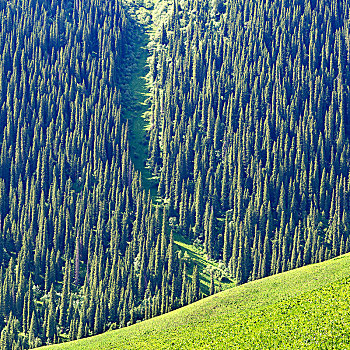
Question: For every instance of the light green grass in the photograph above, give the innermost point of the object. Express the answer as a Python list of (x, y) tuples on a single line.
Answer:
[(138, 111), (147, 15), (306, 308), (196, 256)]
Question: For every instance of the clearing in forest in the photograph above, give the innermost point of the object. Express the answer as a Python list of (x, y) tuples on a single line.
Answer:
[(147, 17)]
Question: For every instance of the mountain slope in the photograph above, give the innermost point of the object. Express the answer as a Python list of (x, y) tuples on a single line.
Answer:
[(251, 130), (295, 309), (247, 120)]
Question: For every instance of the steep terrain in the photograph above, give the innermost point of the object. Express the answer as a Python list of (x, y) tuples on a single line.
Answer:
[(305, 308), (148, 17), (250, 131), (156, 151)]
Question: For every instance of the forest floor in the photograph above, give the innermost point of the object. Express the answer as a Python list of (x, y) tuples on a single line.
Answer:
[(305, 308), (138, 109), (147, 19)]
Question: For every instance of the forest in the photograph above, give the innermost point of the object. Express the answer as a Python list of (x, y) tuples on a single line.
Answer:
[(248, 146)]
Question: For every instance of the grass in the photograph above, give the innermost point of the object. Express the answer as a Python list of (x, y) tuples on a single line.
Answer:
[(306, 308), (197, 256), (138, 111), (147, 16)]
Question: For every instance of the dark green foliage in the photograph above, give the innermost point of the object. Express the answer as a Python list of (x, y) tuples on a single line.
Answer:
[(256, 108), (249, 135), (82, 248)]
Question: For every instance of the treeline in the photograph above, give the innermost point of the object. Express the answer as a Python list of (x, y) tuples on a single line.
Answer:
[(82, 248), (250, 127)]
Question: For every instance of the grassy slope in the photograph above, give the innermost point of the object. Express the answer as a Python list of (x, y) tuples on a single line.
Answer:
[(298, 309), (138, 110), (147, 16), (198, 257)]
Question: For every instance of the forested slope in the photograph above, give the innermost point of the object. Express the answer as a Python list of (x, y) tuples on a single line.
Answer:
[(82, 248), (248, 141), (250, 130)]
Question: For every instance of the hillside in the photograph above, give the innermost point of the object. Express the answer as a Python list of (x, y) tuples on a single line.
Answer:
[(306, 308), (153, 152)]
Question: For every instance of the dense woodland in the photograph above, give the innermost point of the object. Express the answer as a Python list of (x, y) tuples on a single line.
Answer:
[(250, 130), (81, 247), (249, 142)]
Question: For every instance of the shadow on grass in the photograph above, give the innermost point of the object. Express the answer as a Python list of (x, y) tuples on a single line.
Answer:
[(196, 257), (137, 107)]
